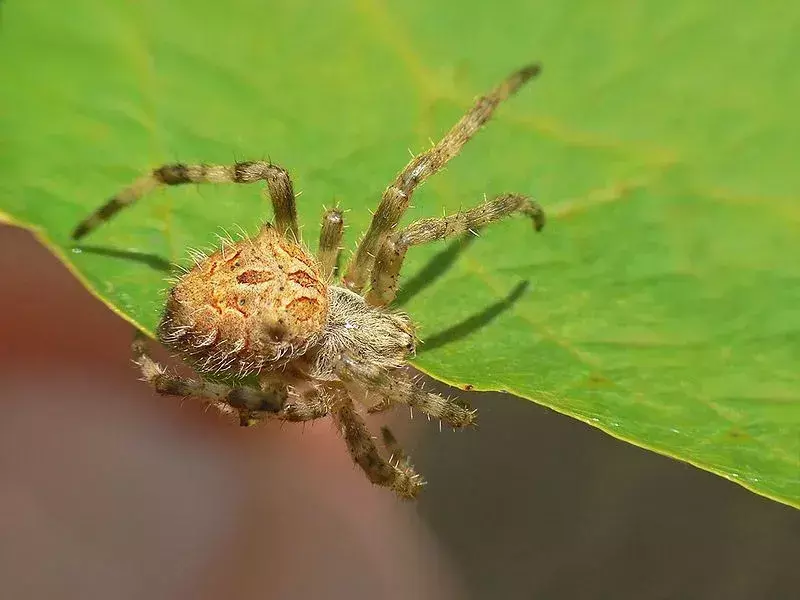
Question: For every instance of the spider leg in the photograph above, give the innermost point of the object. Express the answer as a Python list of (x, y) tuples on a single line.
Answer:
[(299, 407), (278, 183), (395, 451), (397, 196), (330, 240), (245, 400), (398, 476), (390, 257), (397, 388)]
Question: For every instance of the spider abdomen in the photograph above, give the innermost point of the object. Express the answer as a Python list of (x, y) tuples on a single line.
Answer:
[(250, 303)]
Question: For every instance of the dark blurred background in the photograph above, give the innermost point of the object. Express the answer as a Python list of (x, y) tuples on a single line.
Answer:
[(107, 491)]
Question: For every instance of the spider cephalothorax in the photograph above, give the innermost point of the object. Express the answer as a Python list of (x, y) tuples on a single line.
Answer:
[(274, 338)]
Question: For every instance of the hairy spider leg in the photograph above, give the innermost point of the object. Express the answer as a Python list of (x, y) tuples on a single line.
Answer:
[(252, 404), (397, 196), (223, 397), (398, 388), (330, 242), (389, 261), (399, 476), (393, 447), (278, 182)]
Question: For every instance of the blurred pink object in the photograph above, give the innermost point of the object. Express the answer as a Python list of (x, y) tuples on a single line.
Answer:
[(107, 491)]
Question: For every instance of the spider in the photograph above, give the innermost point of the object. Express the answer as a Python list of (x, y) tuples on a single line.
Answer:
[(271, 332)]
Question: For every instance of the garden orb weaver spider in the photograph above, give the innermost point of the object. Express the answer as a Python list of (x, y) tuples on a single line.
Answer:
[(267, 315)]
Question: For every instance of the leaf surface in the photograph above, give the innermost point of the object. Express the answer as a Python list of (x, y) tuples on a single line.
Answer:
[(662, 302)]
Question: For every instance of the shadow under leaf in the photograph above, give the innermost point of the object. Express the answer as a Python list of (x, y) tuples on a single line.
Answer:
[(151, 260), (475, 322)]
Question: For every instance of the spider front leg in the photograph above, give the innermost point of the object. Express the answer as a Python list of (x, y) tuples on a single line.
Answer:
[(389, 260), (330, 241), (397, 196), (307, 406), (398, 388), (399, 476), (278, 182), (244, 400)]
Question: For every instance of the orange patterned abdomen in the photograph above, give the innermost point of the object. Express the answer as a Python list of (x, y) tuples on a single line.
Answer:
[(248, 304)]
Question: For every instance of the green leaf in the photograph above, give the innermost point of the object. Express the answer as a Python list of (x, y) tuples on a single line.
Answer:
[(663, 298)]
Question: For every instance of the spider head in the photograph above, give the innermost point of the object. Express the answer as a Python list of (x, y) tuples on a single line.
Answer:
[(375, 336)]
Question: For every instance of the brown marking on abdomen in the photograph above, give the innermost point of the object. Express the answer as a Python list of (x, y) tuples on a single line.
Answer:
[(305, 280), (253, 276), (303, 308)]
